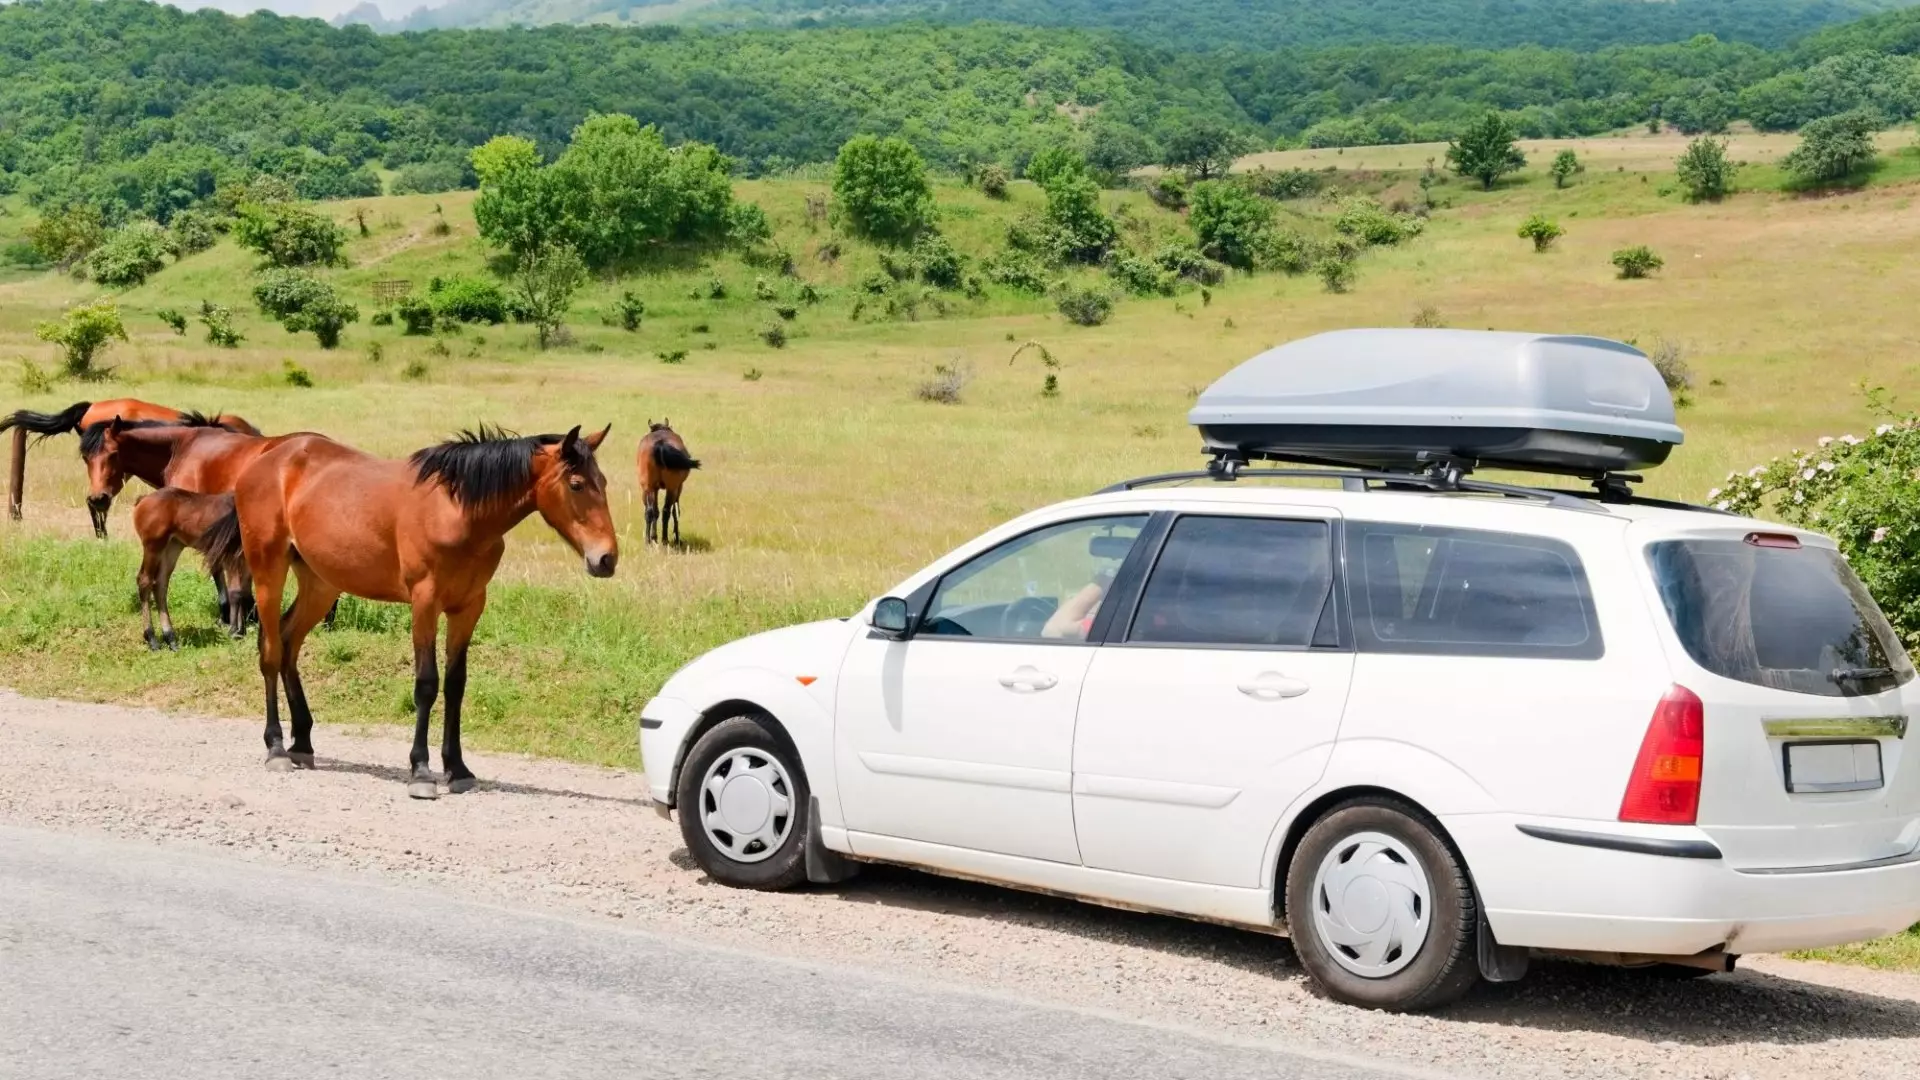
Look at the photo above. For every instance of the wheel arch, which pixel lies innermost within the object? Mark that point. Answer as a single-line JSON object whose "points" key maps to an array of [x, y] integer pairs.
{"points": [[1325, 803], [802, 723]]}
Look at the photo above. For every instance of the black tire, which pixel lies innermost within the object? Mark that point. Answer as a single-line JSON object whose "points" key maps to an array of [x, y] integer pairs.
{"points": [[1445, 965], [786, 865]]}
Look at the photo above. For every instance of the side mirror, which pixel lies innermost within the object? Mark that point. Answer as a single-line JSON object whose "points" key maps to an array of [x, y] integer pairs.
{"points": [[890, 617]]}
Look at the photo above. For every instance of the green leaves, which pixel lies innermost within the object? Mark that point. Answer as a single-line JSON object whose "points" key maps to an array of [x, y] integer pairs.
{"points": [[304, 303], [83, 333], [1231, 223], [1705, 171], [1832, 148], [289, 235], [1486, 150], [880, 188]]}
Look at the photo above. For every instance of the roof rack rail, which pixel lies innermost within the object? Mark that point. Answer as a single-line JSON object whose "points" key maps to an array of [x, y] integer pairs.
{"points": [[1443, 475]]}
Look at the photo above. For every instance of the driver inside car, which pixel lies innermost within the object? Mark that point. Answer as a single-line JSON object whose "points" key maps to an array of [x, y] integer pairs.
{"points": [[1073, 619]]}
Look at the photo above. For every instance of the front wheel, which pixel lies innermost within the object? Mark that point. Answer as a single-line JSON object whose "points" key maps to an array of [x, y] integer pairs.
{"points": [[1381, 910], [743, 806]]}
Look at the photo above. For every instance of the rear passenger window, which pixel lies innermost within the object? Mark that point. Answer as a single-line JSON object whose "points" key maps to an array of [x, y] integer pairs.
{"points": [[1467, 592], [1237, 581]]}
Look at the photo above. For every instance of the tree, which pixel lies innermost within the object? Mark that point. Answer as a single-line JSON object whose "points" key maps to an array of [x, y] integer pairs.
{"points": [[1116, 150], [501, 155], [132, 254], [1637, 261], [520, 209], [303, 303], [83, 333], [1204, 148], [1055, 161], [1542, 230], [1832, 148], [621, 191], [1230, 223], [289, 235], [1565, 164], [880, 188], [1083, 232], [1705, 171], [545, 282], [1700, 109], [1485, 150], [65, 237]]}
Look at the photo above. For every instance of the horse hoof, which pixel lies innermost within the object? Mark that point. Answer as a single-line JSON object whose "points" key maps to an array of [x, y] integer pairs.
{"points": [[423, 789], [301, 761], [461, 786], [279, 763], [153, 645]]}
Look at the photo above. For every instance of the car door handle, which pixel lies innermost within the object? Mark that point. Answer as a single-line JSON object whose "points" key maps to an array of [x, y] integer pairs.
{"points": [[1272, 686], [1029, 679]]}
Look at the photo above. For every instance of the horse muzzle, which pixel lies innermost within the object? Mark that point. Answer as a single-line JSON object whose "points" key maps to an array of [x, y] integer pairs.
{"points": [[97, 506], [601, 565]]}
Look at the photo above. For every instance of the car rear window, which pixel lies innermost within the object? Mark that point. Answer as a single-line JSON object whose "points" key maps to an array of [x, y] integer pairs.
{"points": [[1794, 619], [1469, 592]]}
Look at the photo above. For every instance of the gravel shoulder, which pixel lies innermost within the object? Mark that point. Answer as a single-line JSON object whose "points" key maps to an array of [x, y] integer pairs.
{"points": [[581, 840]]}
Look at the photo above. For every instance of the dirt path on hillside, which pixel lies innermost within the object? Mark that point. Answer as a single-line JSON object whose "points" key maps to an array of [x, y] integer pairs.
{"points": [[583, 838]]}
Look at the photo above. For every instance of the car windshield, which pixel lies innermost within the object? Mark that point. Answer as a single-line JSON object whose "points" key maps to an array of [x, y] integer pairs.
{"points": [[1789, 618]]}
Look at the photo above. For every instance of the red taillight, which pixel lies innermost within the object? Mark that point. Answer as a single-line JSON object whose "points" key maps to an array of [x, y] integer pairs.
{"points": [[1774, 540], [1665, 786]]}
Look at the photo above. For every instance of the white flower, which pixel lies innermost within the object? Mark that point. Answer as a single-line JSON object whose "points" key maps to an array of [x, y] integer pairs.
{"points": [[1826, 466], [1799, 496], [1826, 440], [1808, 475], [1722, 505], [1883, 429], [1850, 440], [1879, 534], [1714, 494], [1756, 470]]}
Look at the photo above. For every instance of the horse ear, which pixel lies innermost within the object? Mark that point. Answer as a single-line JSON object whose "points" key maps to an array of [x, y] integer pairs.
{"points": [[116, 425], [594, 441], [569, 444]]}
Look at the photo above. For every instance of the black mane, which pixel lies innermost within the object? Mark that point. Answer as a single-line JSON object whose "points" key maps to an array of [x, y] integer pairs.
{"points": [[93, 437], [484, 466]]}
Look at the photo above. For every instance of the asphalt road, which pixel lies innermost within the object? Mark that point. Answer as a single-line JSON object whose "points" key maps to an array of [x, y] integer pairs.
{"points": [[127, 960]]}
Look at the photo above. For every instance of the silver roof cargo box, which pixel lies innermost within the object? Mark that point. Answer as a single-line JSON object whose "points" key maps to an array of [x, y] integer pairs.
{"points": [[1411, 399]]}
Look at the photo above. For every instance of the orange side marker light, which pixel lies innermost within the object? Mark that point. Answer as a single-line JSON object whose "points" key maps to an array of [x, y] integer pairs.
{"points": [[806, 680]]}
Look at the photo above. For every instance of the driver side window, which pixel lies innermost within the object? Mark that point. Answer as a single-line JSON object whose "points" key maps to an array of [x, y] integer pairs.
{"points": [[1044, 586]]}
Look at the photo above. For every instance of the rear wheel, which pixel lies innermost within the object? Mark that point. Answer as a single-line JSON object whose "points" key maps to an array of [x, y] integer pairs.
{"points": [[1381, 910], [743, 804]]}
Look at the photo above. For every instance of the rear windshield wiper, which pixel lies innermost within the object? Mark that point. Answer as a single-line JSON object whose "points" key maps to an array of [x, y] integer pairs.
{"points": [[1858, 674]]}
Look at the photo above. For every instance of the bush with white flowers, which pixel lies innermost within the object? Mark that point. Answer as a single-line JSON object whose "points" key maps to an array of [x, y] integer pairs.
{"points": [[1863, 492]]}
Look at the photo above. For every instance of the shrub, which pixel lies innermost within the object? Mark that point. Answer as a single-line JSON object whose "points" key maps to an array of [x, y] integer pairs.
{"points": [[173, 319], [945, 385], [1017, 270], [469, 300], [876, 283], [1185, 260], [1370, 223], [1565, 164], [1230, 222], [991, 179], [1540, 229], [775, 335], [382, 318], [1704, 170], [763, 291], [747, 225], [62, 239], [1669, 359], [416, 315], [1832, 148], [787, 312], [1085, 307], [1142, 277], [1285, 183], [1336, 271], [1864, 492], [1427, 317], [288, 235], [808, 294], [716, 289], [752, 374], [1637, 261], [1050, 163], [672, 356], [130, 255], [193, 232], [33, 378], [1170, 190], [430, 178], [219, 323], [416, 370], [304, 303], [936, 260], [375, 354], [880, 188], [1081, 231], [545, 281], [295, 375], [630, 310], [83, 333]]}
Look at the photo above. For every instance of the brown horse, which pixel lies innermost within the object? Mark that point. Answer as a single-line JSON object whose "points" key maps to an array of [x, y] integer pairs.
{"points": [[168, 522], [84, 415], [428, 532], [664, 464]]}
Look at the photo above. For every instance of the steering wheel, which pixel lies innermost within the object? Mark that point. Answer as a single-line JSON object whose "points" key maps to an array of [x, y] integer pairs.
{"points": [[1027, 616]]}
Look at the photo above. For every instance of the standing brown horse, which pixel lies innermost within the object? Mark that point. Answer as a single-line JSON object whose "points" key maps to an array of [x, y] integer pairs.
{"points": [[664, 464], [428, 532], [168, 522], [84, 415]]}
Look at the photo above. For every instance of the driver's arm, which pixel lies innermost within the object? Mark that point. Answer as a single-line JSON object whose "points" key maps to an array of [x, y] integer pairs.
{"points": [[1066, 619]]}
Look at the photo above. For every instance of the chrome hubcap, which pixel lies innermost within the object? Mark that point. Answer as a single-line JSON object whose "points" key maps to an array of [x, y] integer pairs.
{"points": [[746, 805], [1372, 904]]}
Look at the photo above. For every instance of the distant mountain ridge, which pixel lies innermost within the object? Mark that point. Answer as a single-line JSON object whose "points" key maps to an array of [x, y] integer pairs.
{"points": [[1207, 24]]}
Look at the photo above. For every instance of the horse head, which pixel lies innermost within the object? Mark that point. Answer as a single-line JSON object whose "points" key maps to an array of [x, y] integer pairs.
{"points": [[570, 492]]}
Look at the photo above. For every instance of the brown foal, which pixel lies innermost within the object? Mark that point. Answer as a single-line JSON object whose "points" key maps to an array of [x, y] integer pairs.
{"points": [[428, 532], [664, 465], [168, 522]]}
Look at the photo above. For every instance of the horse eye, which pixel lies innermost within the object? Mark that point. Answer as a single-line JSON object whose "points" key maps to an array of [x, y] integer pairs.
{"points": [[576, 482]]}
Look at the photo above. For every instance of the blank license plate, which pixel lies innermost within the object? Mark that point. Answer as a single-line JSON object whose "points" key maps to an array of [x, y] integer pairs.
{"points": [[1833, 766]]}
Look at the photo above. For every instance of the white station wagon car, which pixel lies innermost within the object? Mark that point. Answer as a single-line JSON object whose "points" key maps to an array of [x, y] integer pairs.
{"points": [[1427, 726]]}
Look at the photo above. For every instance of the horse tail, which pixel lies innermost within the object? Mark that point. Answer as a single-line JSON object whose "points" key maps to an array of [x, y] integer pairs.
{"points": [[668, 456], [220, 544], [45, 424]]}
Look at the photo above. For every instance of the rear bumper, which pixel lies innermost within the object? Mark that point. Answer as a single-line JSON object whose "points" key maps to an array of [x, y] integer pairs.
{"points": [[1550, 894]]}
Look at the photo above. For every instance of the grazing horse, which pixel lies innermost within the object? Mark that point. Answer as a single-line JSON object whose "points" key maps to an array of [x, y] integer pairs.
{"points": [[82, 416], [664, 464], [428, 531], [168, 522]]}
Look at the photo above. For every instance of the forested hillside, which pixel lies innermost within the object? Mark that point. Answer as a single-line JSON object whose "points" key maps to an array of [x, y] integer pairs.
{"points": [[1206, 24], [141, 108]]}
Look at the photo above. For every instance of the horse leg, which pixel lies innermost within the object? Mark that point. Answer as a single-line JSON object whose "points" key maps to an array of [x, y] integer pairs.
{"points": [[149, 577], [460, 626], [309, 605], [168, 559], [652, 498], [331, 612], [237, 586], [269, 585], [426, 684], [673, 508]]}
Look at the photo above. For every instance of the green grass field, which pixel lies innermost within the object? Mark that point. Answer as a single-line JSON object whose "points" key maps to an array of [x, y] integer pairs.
{"points": [[826, 479]]}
